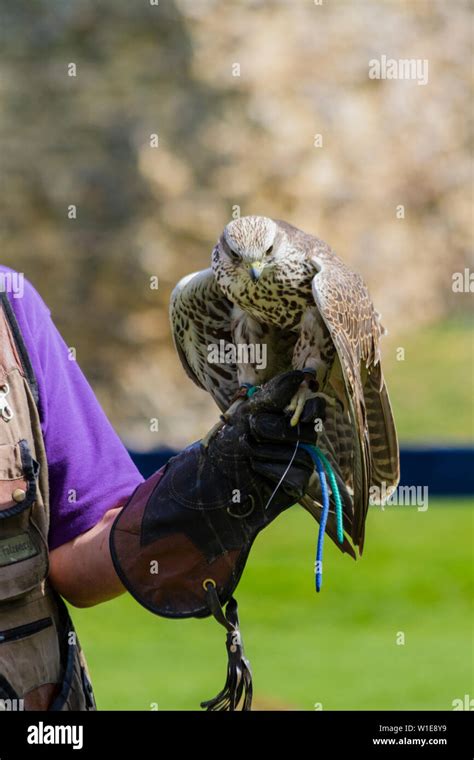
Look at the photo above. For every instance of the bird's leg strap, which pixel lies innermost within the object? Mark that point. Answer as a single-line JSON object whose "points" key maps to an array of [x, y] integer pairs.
{"points": [[245, 391], [310, 378]]}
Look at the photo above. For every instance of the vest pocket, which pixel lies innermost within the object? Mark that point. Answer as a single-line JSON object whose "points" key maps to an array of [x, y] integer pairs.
{"points": [[41, 661], [18, 479], [23, 550], [30, 658]]}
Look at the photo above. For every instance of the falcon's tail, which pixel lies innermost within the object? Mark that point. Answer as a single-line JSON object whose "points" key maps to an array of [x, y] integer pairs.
{"points": [[382, 433]]}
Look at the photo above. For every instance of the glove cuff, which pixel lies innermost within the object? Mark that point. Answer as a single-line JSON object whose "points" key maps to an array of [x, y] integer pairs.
{"points": [[164, 552]]}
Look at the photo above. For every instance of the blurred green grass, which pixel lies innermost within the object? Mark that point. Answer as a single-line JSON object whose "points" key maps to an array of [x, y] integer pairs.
{"points": [[338, 648], [431, 389]]}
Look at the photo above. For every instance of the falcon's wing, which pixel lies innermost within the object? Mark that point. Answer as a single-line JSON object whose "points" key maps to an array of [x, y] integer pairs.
{"points": [[200, 317], [347, 310]]}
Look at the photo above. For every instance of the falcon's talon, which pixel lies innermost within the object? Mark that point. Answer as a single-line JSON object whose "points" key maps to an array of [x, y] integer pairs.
{"points": [[212, 432], [232, 408], [223, 419], [296, 405]]}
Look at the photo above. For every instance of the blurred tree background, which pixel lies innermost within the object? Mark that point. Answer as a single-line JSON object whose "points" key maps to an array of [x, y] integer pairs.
{"points": [[226, 141]]}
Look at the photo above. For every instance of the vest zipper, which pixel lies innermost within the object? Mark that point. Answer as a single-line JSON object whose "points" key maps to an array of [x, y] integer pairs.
{"points": [[12, 634]]}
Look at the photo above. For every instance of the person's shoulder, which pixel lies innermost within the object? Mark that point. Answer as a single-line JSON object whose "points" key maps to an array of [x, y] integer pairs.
{"points": [[22, 295]]}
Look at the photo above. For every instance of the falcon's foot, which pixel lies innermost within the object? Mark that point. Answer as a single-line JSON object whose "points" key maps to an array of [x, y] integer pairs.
{"points": [[212, 432], [240, 396], [306, 391]]}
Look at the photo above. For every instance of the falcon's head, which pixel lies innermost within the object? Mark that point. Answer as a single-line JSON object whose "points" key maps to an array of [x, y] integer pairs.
{"points": [[248, 248]]}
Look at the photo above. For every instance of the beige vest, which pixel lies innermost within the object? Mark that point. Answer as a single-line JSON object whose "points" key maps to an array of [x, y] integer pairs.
{"points": [[41, 663]]}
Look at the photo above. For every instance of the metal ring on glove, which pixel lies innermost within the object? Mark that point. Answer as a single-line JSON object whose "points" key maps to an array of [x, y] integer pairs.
{"points": [[243, 514]]}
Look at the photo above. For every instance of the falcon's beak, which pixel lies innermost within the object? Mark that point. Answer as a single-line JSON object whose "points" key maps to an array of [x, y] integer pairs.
{"points": [[256, 270]]}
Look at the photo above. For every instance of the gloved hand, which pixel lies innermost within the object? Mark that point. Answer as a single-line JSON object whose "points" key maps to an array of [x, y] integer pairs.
{"points": [[192, 526]]}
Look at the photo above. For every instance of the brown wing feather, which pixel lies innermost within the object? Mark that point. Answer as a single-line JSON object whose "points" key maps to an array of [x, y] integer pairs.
{"points": [[200, 315], [348, 312], [382, 432]]}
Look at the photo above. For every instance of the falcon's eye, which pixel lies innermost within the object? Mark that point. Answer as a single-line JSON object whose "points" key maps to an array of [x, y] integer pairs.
{"points": [[234, 254], [269, 250]]}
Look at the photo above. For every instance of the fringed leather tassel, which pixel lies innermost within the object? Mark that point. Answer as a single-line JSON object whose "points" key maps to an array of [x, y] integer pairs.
{"points": [[239, 674]]}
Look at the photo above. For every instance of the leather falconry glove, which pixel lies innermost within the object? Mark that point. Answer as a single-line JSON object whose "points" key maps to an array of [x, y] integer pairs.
{"points": [[181, 542]]}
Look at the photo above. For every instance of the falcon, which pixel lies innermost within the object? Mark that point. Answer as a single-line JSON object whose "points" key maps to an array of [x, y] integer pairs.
{"points": [[274, 286]]}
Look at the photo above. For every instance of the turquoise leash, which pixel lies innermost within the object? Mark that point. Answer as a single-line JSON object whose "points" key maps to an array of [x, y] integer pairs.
{"points": [[323, 467], [323, 464], [334, 487]]}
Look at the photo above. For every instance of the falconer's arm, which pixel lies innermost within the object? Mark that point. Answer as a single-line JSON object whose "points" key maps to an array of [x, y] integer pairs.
{"points": [[82, 569], [90, 472]]}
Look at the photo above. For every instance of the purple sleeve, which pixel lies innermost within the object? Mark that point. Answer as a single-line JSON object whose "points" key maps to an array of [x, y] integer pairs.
{"points": [[90, 470]]}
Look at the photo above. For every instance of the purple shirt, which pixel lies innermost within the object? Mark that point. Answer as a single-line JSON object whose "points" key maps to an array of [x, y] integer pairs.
{"points": [[85, 455]]}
